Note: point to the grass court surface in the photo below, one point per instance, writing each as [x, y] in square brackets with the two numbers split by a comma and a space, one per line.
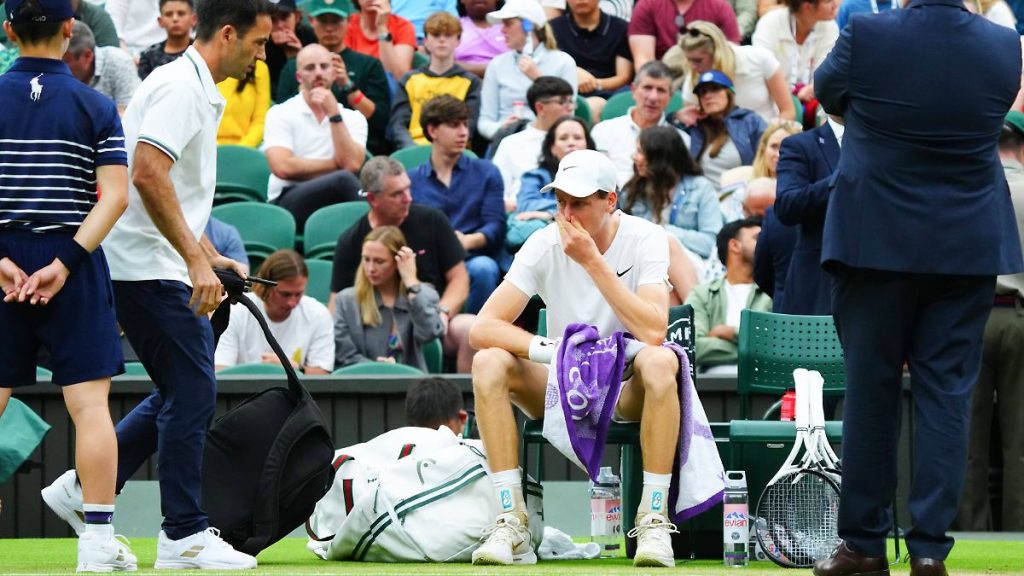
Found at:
[56, 556]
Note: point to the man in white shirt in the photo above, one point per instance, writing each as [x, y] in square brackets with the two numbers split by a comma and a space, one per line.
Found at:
[550, 98]
[616, 137]
[314, 145]
[301, 325]
[717, 304]
[109, 70]
[600, 266]
[164, 283]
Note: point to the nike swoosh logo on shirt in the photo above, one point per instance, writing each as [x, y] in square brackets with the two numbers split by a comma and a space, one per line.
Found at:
[624, 272]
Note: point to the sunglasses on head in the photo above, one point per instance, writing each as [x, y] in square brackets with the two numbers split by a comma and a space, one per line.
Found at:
[685, 30]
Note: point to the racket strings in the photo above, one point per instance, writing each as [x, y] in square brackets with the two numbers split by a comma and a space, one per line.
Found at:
[798, 517]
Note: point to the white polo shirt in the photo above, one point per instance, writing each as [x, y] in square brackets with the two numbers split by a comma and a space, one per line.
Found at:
[292, 125]
[177, 109]
[517, 154]
[617, 136]
[306, 335]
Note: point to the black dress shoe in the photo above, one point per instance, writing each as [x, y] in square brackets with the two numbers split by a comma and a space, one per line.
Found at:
[927, 567]
[846, 562]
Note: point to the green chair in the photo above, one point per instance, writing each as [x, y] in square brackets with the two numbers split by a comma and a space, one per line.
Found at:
[319, 285]
[253, 369]
[419, 59]
[378, 369]
[433, 353]
[583, 110]
[617, 105]
[325, 225]
[413, 156]
[242, 174]
[675, 103]
[134, 369]
[771, 346]
[264, 228]
[43, 373]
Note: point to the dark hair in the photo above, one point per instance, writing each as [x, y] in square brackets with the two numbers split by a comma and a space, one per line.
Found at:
[668, 161]
[546, 87]
[442, 109]
[547, 158]
[794, 5]
[29, 29]
[432, 402]
[191, 4]
[239, 14]
[716, 134]
[730, 231]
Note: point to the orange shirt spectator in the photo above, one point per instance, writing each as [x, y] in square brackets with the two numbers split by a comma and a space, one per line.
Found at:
[366, 34]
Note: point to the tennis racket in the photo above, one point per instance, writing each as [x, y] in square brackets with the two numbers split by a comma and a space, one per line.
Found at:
[797, 512]
[819, 443]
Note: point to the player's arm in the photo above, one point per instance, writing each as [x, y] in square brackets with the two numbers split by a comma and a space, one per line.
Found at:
[494, 326]
[151, 176]
[217, 260]
[644, 313]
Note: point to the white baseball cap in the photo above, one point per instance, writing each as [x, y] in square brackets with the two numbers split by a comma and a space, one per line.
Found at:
[584, 172]
[524, 9]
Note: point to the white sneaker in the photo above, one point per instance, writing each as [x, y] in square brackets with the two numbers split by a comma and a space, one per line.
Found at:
[205, 550]
[507, 542]
[653, 535]
[64, 497]
[105, 552]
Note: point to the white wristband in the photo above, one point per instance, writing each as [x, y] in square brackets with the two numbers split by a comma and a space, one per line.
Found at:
[542, 349]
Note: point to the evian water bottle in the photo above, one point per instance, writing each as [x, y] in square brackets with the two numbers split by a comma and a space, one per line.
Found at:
[606, 512]
[735, 525]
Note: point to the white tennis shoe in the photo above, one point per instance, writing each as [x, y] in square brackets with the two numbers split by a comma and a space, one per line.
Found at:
[102, 551]
[508, 542]
[653, 535]
[64, 497]
[204, 550]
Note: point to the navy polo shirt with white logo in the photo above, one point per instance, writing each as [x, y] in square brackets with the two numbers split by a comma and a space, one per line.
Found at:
[54, 132]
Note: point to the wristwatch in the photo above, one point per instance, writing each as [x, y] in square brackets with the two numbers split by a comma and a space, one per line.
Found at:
[386, 37]
[348, 89]
[414, 289]
[336, 119]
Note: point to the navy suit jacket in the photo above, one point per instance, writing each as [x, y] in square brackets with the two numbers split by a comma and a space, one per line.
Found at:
[806, 164]
[919, 188]
[772, 259]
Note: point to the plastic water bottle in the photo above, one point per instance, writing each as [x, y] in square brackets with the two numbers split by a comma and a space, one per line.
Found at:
[519, 109]
[606, 512]
[735, 520]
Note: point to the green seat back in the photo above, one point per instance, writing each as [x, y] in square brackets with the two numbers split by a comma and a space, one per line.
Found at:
[583, 110]
[242, 174]
[413, 156]
[771, 346]
[378, 369]
[617, 105]
[675, 103]
[433, 353]
[253, 369]
[264, 228]
[419, 59]
[319, 285]
[328, 223]
[134, 369]
[43, 373]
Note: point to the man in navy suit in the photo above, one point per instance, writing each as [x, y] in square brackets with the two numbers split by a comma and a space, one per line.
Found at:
[918, 225]
[806, 164]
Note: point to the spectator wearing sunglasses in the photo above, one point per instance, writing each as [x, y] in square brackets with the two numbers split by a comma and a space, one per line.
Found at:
[656, 25]
[755, 72]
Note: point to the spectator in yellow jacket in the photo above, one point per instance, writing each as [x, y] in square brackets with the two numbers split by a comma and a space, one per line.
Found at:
[248, 102]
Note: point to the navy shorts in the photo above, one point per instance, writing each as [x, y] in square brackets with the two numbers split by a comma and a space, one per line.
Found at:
[77, 327]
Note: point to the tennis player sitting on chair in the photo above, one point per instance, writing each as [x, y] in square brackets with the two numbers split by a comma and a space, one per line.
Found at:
[593, 265]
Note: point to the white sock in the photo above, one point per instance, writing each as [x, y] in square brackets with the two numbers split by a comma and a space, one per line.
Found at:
[655, 495]
[98, 518]
[508, 487]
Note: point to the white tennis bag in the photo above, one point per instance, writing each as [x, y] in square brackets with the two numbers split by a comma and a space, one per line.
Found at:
[410, 495]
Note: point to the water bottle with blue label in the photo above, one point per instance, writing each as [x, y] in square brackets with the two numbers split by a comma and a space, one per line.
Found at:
[606, 512]
[735, 521]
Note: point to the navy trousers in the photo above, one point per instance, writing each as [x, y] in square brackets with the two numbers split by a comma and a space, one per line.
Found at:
[935, 323]
[176, 347]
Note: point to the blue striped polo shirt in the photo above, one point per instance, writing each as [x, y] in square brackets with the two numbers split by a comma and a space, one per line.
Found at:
[54, 132]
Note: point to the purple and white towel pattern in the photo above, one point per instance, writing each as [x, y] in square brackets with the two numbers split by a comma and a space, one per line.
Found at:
[583, 387]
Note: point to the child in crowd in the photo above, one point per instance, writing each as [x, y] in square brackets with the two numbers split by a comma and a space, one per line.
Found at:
[177, 18]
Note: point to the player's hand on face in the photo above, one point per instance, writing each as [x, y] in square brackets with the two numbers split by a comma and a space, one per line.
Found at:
[44, 284]
[576, 242]
[206, 288]
[12, 278]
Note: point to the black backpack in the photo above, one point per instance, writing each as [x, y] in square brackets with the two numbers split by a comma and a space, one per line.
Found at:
[267, 461]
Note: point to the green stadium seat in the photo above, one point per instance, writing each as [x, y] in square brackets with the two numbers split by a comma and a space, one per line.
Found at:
[134, 369]
[43, 373]
[378, 369]
[264, 228]
[583, 110]
[617, 105]
[254, 369]
[325, 225]
[319, 285]
[433, 353]
[242, 174]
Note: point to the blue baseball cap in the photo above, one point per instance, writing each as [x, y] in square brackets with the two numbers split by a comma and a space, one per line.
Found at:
[714, 77]
[53, 11]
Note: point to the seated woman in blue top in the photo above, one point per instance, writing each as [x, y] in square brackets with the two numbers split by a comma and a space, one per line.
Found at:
[535, 209]
[388, 315]
[725, 136]
[667, 188]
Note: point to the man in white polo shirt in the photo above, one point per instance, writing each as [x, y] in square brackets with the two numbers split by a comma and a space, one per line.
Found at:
[314, 145]
[164, 283]
[616, 137]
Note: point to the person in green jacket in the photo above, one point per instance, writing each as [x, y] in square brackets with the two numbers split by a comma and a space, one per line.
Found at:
[717, 304]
